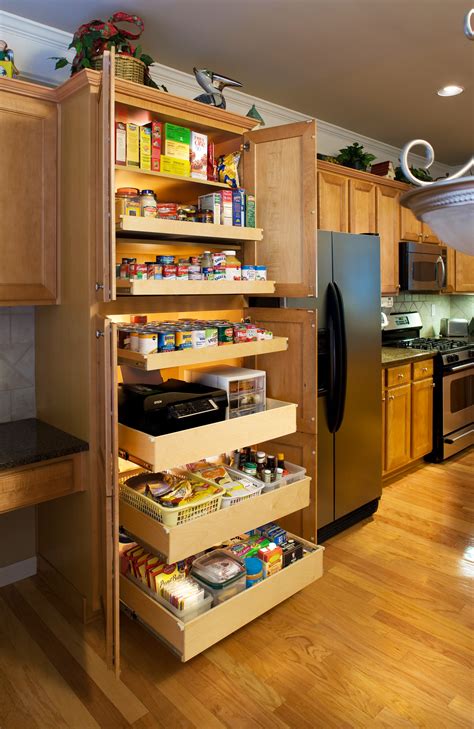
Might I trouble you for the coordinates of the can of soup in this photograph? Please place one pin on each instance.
(225, 333)
(184, 338)
(166, 340)
(199, 337)
(148, 341)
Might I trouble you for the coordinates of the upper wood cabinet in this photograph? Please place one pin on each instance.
(362, 195)
(460, 272)
(333, 202)
(28, 195)
(413, 229)
(388, 228)
(279, 168)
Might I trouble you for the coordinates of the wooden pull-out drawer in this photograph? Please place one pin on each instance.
(31, 485)
(398, 375)
(175, 449)
(179, 542)
(190, 638)
(422, 370)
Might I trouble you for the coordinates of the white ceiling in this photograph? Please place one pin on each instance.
(368, 65)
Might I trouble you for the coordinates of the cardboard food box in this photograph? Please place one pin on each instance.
(174, 166)
(145, 147)
(226, 207)
(178, 150)
(211, 201)
(177, 133)
(238, 207)
(156, 137)
(198, 155)
(120, 143)
(133, 145)
(250, 211)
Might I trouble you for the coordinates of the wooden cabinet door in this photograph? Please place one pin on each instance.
(292, 375)
(384, 417)
(362, 207)
(450, 270)
(28, 197)
(333, 202)
(105, 282)
(410, 227)
(107, 469)
(299, 448)
(421, 418)
(279, 168)
(397, 434)
(427, 234)
(464, 279)
(388, 228)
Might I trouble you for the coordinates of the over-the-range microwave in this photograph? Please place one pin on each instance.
(422, 266)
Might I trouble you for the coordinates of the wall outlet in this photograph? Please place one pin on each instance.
(387, 302)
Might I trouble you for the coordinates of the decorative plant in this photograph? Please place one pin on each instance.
(92, 39)
(354, 156)
(417, 171)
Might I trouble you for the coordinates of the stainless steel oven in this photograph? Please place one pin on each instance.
(458, 407)
(422, 266)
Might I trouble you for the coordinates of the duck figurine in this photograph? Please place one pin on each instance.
(213, 84)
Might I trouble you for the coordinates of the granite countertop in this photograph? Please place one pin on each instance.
(29, 441)
(392, 356)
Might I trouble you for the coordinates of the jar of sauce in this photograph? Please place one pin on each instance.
(148, 204)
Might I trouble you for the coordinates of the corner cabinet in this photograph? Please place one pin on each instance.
(77, 379)
(29, 118)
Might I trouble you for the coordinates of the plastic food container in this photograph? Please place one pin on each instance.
(183, 615)
(295, 473)
(222, 574)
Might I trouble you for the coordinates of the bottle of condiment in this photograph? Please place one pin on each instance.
(267, 476)
(279, 474)
(233, 267)
(253, 456)
(148, 204)
(261, 459)
(281, 460)
(251, 469)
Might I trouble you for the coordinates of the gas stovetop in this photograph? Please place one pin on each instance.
(438, 344)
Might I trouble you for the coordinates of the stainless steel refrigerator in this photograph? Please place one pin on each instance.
(349, 440)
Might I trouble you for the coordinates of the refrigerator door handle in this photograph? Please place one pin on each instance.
(337, 358)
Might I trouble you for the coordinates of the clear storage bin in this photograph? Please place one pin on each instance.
(183, 615)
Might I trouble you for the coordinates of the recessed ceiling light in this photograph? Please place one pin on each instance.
(450, 90)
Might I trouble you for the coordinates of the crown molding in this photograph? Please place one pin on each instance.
(33, 43)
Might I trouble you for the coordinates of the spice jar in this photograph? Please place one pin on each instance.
(127, 202)
(148, 203)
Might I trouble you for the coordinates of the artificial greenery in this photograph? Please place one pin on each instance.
(418, 172)
(354, 156)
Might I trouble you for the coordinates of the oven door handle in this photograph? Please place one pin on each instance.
(456, 368)
(439, 261)
(451, 441)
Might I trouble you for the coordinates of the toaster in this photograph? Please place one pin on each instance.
(454, 327)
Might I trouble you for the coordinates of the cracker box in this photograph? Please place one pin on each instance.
(156, 137)
(177, 134)
(226, 207)
(238, 207)
(120, 143)
(175, 166)
(178, 150)
(250, 211)
(133, 145)
(198, 155)
(145, 148)
(211, 201)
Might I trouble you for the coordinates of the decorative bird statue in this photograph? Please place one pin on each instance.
(213, 83)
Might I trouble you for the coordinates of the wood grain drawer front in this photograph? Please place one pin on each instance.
(422, 370)
(179, 542)
(189, 639)
(174, 449)
(30, 486)
(398, 375)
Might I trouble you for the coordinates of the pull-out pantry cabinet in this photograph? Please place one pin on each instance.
(79, 364)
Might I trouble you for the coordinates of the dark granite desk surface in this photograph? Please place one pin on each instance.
(392, 356)
(29, 441)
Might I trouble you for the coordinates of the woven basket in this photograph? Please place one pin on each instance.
(126, 67)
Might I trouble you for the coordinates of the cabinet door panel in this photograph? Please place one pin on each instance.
(361, 207)
(421, 418)
(333, 202)
(428, 235)
(279, 168)
(450, 270)
(105, 243)
(410, 227)
(299, 448)
(28, 153)
(388, 228)
(464, 272)
(291, 375)
(397, 443)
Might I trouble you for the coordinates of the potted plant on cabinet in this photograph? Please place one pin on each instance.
(354, 156)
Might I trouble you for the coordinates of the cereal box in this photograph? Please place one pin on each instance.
(238, 207)
(133, 145)
(175, 166)
(226, 207)
(156, 136)
(199, 155)
(145, 148)
(177, 133)
(178, 150)
(120, 143)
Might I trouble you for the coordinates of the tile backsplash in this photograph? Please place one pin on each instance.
(432, 308)
(17, 363)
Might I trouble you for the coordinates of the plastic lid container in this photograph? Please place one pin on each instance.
(218, 569)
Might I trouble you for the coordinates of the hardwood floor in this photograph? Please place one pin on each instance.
(384, 639)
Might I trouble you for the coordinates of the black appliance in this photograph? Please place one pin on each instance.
(171, 406)
(453, 404)
(422, 266)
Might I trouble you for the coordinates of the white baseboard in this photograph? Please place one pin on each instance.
(17, 571)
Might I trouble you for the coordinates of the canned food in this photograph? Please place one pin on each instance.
(211, 336)
(225, 334)
(205, 216)
(169, 271)
(194, 261)
(182, 270)
(240, 334)
(260, 273)
(165, 260)
(248, 273)
(155, 270)
(123, 337)
(138, 270)
(184, 339)
(134, 340)
(218, 259)
(138, 318)
(148, 342)
(194, 273)
(219, 274)
(208, 273)
(166, 340)
(199, 338)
